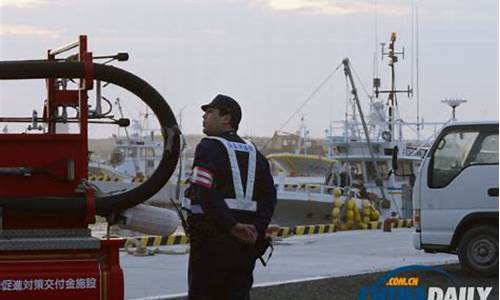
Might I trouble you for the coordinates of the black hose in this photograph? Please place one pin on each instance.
(40, 69)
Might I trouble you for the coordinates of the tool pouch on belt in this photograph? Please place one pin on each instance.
(261, 246)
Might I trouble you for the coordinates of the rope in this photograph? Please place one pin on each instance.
(309, 98)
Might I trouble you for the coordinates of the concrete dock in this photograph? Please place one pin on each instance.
(295, 259)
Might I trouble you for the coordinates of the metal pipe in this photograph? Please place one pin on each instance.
(64, 48)
(105, 205)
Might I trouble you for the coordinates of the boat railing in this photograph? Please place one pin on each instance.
(316, 188)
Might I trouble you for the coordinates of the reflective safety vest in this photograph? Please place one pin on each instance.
(243, 198)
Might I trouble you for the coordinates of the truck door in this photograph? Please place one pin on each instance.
(462, 178)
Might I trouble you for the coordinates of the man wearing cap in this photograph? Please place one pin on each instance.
(230, 203)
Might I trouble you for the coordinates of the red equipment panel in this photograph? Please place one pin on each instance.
(71, 274)
(59, 162)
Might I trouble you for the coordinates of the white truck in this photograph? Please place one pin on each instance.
(455, 197)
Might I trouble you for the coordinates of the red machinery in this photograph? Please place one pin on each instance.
(46, 250)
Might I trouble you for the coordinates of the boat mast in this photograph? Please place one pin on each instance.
(391, 100)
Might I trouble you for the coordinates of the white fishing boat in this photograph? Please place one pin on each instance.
(134, 158)
(358, 157)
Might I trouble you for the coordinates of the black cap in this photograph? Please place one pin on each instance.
(228, 105)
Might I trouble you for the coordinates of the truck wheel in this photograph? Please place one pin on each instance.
(478, 250)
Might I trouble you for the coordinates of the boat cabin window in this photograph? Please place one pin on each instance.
(356, 170)
(149, 152)
(132, 152)
(371, 172)
(341, 149)
(405, 168)
(150, 163)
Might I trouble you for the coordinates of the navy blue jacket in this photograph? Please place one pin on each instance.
(211, 155)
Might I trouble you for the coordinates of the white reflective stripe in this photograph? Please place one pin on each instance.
(194, 209)
(241, 204)
(252, 161)
(239, 146)
(243, 199)
(235, 170)
(186, 203)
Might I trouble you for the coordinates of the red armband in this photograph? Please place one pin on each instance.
(202, 177)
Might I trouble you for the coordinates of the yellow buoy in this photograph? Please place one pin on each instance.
(366, 219)
(374, 215)
(350, 215)
(366, 203)
(337, 192)
(366, 211)
(351, 204)
(357, 217)
(335, 212)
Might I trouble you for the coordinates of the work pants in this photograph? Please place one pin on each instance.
(220, 268)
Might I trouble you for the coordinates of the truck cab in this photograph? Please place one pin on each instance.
(455, 197)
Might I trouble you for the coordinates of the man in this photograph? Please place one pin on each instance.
(230, 201)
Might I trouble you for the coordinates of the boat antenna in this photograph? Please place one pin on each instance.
(392, 103)
(417, 68)
(375, 52)
(454, 103)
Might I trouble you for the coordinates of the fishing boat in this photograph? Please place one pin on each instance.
(134, 158)
(358, 158)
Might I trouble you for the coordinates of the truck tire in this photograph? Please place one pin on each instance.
(478, 250)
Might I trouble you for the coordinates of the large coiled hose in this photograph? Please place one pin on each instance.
(106, 205)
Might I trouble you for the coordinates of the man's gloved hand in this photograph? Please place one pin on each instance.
(246, 233)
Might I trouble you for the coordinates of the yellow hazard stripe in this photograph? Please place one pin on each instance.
(179, 239)
(157, 240)
(283, 231)
(313, 229)
(403, 223)
(104, 178)
(374, 225)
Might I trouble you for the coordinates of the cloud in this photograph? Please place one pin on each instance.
(17, 30)
(332, 7)
(22, 3)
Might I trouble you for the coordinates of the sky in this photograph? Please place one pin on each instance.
(270, 55)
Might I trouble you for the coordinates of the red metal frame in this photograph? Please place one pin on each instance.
(51, 150)
(56, 274)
